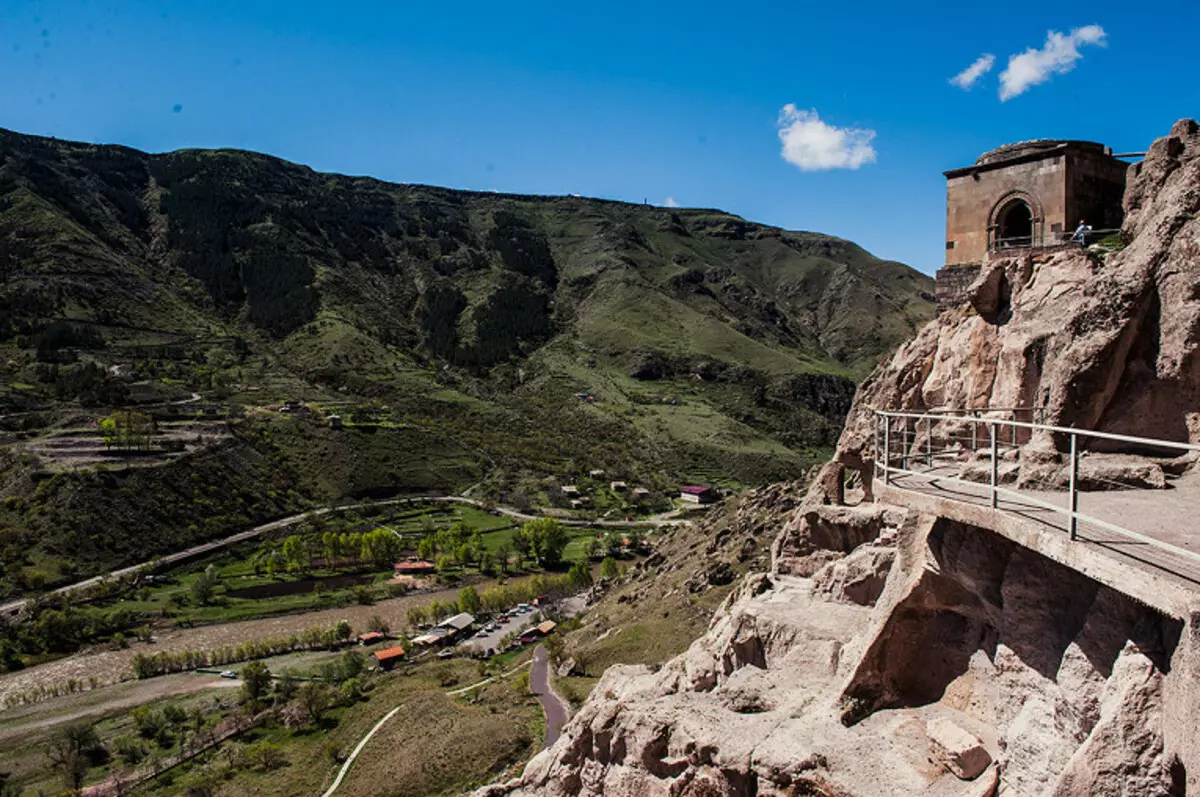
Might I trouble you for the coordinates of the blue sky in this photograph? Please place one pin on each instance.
(626, 101)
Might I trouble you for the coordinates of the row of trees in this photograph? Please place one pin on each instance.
(315, 638)
(378, 548)
(127, 430)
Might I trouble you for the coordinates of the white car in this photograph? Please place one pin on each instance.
(228, 674)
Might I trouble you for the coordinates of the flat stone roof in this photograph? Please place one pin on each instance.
(1025, 151)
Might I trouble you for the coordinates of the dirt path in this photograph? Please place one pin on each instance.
(24, 720)
(110, 666)
(552, 704)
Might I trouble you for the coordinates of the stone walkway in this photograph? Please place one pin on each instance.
(1170, 516)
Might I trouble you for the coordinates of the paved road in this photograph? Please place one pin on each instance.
(14, 607)
(539, 684)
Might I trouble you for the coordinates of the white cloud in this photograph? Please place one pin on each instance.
(813, 145)
(670, 202)
(966, 78)
(1057, 56)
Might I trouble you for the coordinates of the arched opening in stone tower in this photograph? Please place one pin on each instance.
(1015, 222)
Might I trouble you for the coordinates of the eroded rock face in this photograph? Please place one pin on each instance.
(1101, 342)
(891, 654)
(979, 668)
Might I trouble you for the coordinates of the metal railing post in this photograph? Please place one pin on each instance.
(904, 446)
(929, 442)
(875, 444)
(995, 466)
(974, 429)
(887, 450)
(1074, 487)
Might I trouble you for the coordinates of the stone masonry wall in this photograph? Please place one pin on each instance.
(952, 285)
(970, 199)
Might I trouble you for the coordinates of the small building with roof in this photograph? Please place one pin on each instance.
(538, 631)
(696, 494)
(459, 622)
(388, 658)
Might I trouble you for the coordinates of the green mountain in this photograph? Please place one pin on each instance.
(479, 337)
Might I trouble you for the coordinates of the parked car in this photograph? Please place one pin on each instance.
(228, 674)
(448, 653)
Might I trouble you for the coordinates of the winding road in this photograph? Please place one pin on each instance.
(15, 607)
(552, 704)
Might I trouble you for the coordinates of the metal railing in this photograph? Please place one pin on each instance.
(1041, 240)
(926, 437)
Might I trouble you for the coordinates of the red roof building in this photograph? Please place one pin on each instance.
(698, 495)
(388, 657)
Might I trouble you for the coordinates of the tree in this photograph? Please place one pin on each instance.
(273, 563)
(177, 720)
(352, 665)
(294, 553)
(266, 755)
(608, 568)
(330, 547)
(314, 697)
(503, 551)
(381, 547)
(128, 431)
(417, 616)
(73, 751)
(256, 681)
(579, 576)
(342, 630)
(468, 600)
(205, 585)
(129, 750)
(427, 548)
(545, 539)
(378, 625)
(593, 549)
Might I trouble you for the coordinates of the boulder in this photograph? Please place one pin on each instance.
(958, 750)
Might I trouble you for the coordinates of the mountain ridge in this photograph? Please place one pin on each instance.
(510, 340)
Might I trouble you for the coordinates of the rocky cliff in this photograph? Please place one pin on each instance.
(890, 652)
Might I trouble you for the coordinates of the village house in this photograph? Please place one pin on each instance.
(569, 489)
(387, 658)
(446, 631)
(371, 637)
(538, 631)
(617, 487)
(693, 494)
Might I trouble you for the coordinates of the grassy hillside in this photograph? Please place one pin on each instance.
(509, 340)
